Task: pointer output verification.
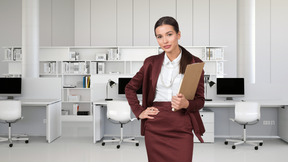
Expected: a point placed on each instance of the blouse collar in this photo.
(174, 62)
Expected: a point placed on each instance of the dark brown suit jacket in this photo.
(147, 77)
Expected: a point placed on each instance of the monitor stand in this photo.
(229, 98)
(10, 98)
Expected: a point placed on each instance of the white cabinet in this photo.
(208, 120)
(201, 23)
(141, 28)
(283, 123)
(82, 23)
(103, 23)
(279, 37)
(62, 22)
(184, 18)
(124, 23)
(167, 9)
(223, 30)
(45, 21)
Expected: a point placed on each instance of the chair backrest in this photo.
(119, 111)
(10, 110)
(246, 112)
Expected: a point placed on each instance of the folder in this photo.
(191, 79)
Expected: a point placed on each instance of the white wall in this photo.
(202, 22)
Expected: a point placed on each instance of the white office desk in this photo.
(263, 103)
(53, 115)
(99, 115)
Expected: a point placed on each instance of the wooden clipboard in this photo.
(191, 79)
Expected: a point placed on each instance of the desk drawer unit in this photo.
(208, 121)
(283, 123)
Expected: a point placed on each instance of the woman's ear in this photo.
(179, 34)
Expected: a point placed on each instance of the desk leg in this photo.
(53, 122)
(98, 123)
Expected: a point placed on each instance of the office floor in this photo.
(74, 149)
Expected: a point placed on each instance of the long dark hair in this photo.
(168, 20)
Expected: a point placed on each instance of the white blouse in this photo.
(169, 79)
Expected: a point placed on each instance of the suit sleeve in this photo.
(131, 95)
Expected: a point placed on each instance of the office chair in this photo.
(246, 113)
(119, 112)
(10, 112)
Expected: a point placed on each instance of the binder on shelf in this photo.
(75, 109)
(86, 82)
(101, 68)
(83, 113)
(8, 54)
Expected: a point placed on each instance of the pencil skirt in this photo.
(169, 137)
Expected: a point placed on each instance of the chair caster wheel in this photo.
(103, 143)
(226, 142)
(137, 144)
(118, 146)
(233, 147)
(10, 145)
(261, 144)
(26, 141)
(256, 147)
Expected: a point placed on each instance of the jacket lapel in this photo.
(157, 64)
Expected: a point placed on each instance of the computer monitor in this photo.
(230, 87)
(122, 82)
(10, 87)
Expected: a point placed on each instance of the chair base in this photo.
(244, 140)
(236, 142)
(15, 138)
(120, 141)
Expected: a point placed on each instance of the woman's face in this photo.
(167, 38)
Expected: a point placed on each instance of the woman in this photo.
(168, 134)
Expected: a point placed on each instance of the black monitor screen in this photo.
(230, 86)
(10, 86)
(122, 84)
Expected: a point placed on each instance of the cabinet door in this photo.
(262, 41)
(124, 23)
(158, 9)
(279, 39)
(141, 26)
(62, 23)
(82, 23)
(223, 30)
(11, 27)
(200, 23)
(45, 21)
(184, 18)
(103, 23)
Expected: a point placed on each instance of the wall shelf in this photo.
(75, 65)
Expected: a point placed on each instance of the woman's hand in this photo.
(179, 102)
(149, 113)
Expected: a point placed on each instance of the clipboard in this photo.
(191, 79)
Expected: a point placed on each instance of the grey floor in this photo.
(76, 149)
